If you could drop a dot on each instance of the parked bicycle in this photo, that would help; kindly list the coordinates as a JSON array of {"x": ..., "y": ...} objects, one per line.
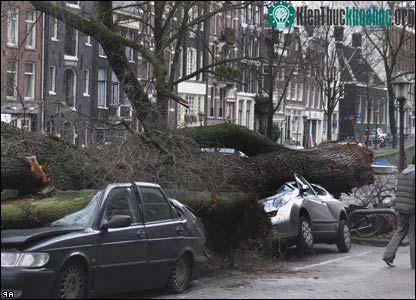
[{"x": 367, "y": 225}]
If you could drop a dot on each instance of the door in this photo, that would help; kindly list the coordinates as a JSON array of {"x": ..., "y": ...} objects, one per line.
[
  {"x": 164, "y": 231},
  {"x": 121, "y": 252},
  {"x": 322, "y": 219}
]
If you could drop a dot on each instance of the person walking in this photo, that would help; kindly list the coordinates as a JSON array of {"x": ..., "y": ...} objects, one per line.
[{"x": 405, "y": 206}]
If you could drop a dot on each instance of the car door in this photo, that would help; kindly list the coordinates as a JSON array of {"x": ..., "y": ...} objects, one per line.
[
  {"x": 164, "y": 231},
  {"x": 322, "y": 219},
  {"x": 121, "y": 252}
]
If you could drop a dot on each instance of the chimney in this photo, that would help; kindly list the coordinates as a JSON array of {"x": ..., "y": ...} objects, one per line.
[
  {"x": 339, "y": 34},
  {"x": 356, "y": 40},
  {"x": 339, "y": 37}
]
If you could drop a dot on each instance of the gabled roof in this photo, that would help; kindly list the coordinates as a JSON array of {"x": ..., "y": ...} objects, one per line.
[{"x": 357, "y": 69}]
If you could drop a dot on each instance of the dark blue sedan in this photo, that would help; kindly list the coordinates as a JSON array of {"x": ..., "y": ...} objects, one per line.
[{"x": 129, "y": 237}]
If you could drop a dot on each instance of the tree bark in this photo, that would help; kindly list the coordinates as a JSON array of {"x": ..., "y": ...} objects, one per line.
[{"x": 329, "y": 127}]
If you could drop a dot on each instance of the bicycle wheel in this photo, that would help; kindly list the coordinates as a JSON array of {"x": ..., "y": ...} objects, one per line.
[{"x": 371, "y": 226}]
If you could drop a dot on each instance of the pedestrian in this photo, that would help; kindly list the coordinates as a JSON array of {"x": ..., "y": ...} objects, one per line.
[{"x": 405, "y": 206}]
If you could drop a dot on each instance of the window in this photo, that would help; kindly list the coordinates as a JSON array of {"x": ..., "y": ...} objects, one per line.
[
  {"x": 129, "y": 51},
  {"x": 115, "y": 89},
  {"x": 317, "y": 95},
  {"x": 70, "y": 87},
  {"x": 155, "y": 206},
  {"x": 101, "y": 52},
  {"x": 54, "y": 29},
  {"x": 312, "y": 96},
  {"x": 102, "y": 88},
  {"x": 52, "y": 72},
  {"x": 240, "y": 112},
  {"x": 12, "y": 26},
  {"x": 293, "y": 91},
  {"x": 248, "y": 113},
  {"x": 307, "y": 95},
  {"x": 88, "y": 41},
  {"x": 121, "y": 201},
  {"x": 11, "y": 78},
  {"x": 30, "y": 30},
  {"x": 71, "y": 42},
  {"x": 300, "y": 92},
  {"x": 86, "y": 82},
  {"x": 213, "y": 24},
  {"x": 359, "y": 110},
  {"x": 73, "y": 4},
  {"x": 29, "y": 91},
  {"x": 191, "y": 61},
  {"x": 191, "y": 103}
]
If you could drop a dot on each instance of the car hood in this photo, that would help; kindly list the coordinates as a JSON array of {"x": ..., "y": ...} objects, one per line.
[{"x": 26, "y": 236}]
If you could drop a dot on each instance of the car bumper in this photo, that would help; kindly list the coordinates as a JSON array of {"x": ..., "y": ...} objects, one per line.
[{"x": 27, "y": 283}]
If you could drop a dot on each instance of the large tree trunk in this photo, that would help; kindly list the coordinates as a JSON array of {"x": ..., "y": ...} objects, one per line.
[{"x": 339, "y": 168}]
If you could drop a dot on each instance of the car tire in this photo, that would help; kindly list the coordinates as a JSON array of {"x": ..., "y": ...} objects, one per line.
[
  {"x": 304, "y": 240},
  {"x": 180, "y": 276},
  {"x": 344, "y": 238},
  {"x": 71, "y": 282}
]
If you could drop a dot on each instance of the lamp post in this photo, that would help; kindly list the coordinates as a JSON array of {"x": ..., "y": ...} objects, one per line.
[{"x": 401, "y": 85}]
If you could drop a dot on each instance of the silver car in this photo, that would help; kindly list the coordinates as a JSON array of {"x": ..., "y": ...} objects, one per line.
[{"x": 303, "y": 214}]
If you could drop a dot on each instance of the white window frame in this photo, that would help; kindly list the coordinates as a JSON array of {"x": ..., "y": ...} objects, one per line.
[
  {"x": 86, "y": 92},
  {"x": 16, "y": 70},
  {"x": 191, "y": 61},
  {"x": 30, "y": 24},
  {"x": 32, "y": 97},
  {"x": 300, "y": 92},
  {"x": 307, "y": 95},
  {"x": 71, "y": 57},
  {"x": 88, "y": 41},
  {"x": 294, "y": 90},
  {"x": 73, "y": 5},
  {"x": 54, "y": 36},
  {"x": 74, "y": 86},
  {"x": 101, "y": 52},
  {"x": 15, "y": 21},
  {"x": 114, "y": 81},
  {"x": 52, "y": 71},
  {"x": 105, "y": 88}
]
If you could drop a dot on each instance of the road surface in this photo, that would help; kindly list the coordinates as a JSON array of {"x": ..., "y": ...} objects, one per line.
[{"x": 328, "y": 274}]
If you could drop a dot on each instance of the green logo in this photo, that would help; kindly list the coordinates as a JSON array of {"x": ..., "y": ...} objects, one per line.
[{"x": 281, "y": 14}]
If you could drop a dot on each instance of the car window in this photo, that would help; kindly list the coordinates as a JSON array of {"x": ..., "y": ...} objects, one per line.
[
  {"x": 121, "y": 201},
  {"x": 320, "y": 191},
  {"x": 155, "y": 206}
]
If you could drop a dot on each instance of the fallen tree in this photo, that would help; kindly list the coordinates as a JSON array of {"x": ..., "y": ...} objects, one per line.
[
  {"x": 229, "y": 218},
  {"x": 338, "y": 167}
]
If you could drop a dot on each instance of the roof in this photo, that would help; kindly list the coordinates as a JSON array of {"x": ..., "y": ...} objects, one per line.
[{"x": 357, "y": 68}]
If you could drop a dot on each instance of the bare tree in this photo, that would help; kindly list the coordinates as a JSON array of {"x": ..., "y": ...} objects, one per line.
[
  {"x": 169, "y": 22},
  {"x": 390, "y": 43}
]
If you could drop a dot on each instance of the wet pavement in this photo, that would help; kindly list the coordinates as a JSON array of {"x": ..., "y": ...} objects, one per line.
[{"x": 327, "y": 274}]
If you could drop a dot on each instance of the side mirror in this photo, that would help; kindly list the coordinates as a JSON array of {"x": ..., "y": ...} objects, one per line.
[
  {"x": 116, "y": 221},
  {"x": 303, "y": 189}
]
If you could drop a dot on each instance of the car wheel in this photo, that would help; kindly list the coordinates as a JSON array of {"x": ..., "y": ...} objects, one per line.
[
  {"x": 180, "y": 276},
  {"x": 344, "y": 237},
  {"x": 304, "y": 241},
  {"x": 71, "y": 282}
]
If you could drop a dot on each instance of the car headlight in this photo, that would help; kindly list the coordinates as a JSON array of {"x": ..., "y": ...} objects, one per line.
[
  {"x": 279, "y": 203},
  {"x": 24, "y": 260}
]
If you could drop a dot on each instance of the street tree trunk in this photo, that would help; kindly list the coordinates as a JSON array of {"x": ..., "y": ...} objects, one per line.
[{"x": 329, "y": 126}]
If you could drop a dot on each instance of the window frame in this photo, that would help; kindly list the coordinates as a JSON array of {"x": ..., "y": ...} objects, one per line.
[
  {"x": 69, "y": 56},
  {"x": 16, "y": 71},
  {"x": 32, "y": 30},
  {"x": 33, "y": 81},
  {"x": 86, "y": 91},
  {"x": 52, "y": 90},
  {"x": 105, "y": 88},
  {"x": 54, "y": 36},
  {"x": 174, "y": 215},
  {"x": 15, "y": 21}
]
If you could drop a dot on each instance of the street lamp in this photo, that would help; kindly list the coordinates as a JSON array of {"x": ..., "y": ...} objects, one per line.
[{"x": 401, "y": 86}]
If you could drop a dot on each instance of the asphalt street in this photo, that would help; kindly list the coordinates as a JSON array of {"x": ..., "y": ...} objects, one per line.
[{"x": 327, "y": 274}]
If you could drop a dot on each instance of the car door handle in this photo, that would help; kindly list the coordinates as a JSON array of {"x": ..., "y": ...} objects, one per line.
[
  {"x": 141, "y": 234},
  {"x": 180, "y": 230}
]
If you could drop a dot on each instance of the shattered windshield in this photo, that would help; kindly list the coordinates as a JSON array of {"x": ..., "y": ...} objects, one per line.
[{"x": 83, "y": 217}]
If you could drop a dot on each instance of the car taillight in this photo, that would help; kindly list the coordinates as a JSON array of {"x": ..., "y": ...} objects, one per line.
[{"x": 272, "y": 214}]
